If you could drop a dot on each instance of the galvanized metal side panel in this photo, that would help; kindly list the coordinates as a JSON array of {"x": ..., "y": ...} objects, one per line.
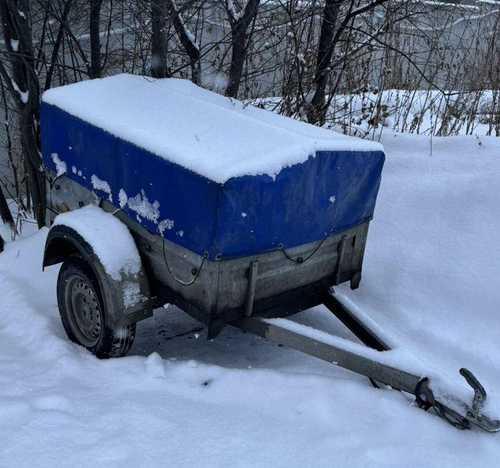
[
  {"x": 223, "y": 285},
  {"x": 277, "y": 273}
]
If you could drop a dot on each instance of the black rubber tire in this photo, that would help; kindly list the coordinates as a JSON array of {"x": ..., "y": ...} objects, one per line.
[{"x": 77, "y": 283}]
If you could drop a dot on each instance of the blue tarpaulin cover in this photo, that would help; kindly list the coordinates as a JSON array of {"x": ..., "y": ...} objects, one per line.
[{"x": 326, "y": 192}]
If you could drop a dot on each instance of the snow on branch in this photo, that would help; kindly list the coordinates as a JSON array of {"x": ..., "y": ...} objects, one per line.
[
  {"x": 181, "y": 29},
  {"x": 23, "y": 95}
]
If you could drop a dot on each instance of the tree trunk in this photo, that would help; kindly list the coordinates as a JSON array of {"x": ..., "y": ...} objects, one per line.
[
  {"x": 317, "y": 111},
  {"x": 159, "y": 67},
  {"x": 331, "y": 32},
  {"x": 239, "y": 44},
  {"x": 95, "y": 67},
  {"x": 6, "y": 216},
  {"x": 30, "y": 144},
  {"x": 238, "y": 55},
  {"x": 24, "y": 88},
  {"x": 5, "y": 213}
]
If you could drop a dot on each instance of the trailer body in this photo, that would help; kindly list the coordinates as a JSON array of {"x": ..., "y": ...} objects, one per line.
[
  {"x": 303, "y": 225},
  {"x": 257, "y": 223}
]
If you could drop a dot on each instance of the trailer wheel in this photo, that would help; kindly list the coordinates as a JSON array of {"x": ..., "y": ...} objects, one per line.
[{"x": 83, "y": 314}]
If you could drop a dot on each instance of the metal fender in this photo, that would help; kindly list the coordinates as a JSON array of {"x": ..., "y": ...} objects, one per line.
[{"x": 127, "y": 299}]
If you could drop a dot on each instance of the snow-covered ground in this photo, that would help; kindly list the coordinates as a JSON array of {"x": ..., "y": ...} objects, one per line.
[{"x": 431, "y": 281}]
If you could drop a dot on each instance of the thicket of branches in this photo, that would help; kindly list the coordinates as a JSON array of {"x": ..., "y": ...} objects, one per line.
[{"x": 353, "y": 64}]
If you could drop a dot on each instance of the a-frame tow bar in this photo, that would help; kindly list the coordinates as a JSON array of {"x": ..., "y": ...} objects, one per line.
[{"x": 373, "y": 360}]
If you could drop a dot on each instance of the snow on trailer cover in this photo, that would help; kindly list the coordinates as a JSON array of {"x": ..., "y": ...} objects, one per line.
[{"x": 208, "y": 173}]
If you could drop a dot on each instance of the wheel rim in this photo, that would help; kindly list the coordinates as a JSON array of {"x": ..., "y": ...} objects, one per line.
[{"x": 85, "y": 312}]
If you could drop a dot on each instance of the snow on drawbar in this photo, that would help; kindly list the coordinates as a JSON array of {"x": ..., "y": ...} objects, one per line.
[{"x": 207, "y": 172}]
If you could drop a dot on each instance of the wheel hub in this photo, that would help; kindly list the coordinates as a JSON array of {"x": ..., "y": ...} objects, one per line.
[{"x": 85, "y": 310}]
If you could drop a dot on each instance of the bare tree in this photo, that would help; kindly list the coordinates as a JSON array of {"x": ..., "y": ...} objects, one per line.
[
  {"x": 331, "y": 33},
  {"x": 159, "y": 68},
  {"x": 22, "y": 82},
  {"x": 95, "y": 67},
  {"x": 240, "y": 22},
  {"x": 187, "y": 40}
]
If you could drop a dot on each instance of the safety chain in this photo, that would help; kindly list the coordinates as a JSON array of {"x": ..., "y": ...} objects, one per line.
[
  {"x": 195, "y": 272},
  {"x": 301, "y": 259}
]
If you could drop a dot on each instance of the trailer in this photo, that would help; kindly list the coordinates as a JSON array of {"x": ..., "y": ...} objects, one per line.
[{"x": 162, "y": 192}]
